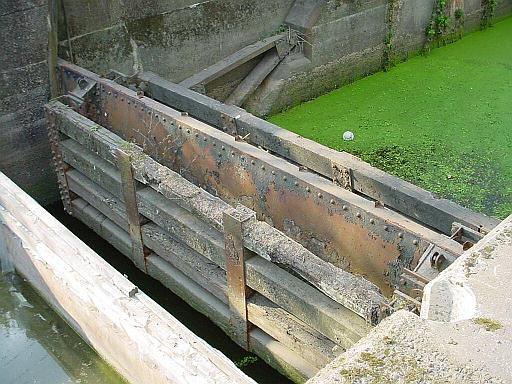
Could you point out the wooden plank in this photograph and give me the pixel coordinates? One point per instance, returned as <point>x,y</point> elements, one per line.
<point>398,194</point>
<point>231,62</point>
<point>134,335</point>
<point>306,303</point>
<point>206,273</point>
<point>337,284</point>
<point>315,309</point>
<point>295,334</point>
<point>278,323</point>
<point>265,346</point>
<point>253,80</point>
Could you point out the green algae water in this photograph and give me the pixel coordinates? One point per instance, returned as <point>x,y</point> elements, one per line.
<point>441,121</point>
<point>38,347</point>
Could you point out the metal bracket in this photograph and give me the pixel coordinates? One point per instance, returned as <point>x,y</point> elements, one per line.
<point>60,167</point>
<point>236,255</point>
<point>465,235</point>
<point>342,176</point>
<point>129,189</point>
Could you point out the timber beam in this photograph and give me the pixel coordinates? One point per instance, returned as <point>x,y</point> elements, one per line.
<point>207,75</point>
<point>281,325</point>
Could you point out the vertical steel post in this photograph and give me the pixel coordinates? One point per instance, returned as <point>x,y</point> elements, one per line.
<point>236,254</point>
<point>129,190</point>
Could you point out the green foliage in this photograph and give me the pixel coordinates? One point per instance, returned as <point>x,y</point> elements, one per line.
<point>388,56</point>
<point>488,10</point>
<point>246,361</point>
<point>443,28</point>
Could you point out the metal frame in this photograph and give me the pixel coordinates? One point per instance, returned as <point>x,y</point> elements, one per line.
<point>236,255</point>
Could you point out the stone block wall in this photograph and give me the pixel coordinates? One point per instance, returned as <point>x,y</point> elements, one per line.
<point>172,38</point>
<point>24,88</point>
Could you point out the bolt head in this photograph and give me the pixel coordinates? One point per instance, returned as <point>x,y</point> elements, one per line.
<point>400,235</point>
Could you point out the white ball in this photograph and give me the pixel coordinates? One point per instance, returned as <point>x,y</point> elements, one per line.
<point>348,136</point>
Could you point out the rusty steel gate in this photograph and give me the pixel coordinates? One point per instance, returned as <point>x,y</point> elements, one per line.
<point>293,249</point>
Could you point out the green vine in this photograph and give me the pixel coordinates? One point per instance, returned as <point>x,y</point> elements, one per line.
<point>488,10</point>
<point>388,59</point>
<point>443,27</point>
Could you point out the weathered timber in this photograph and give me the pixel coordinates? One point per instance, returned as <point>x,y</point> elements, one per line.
<point>296,335</point>
<point>336,283</point>
<point>398,194</point>
<point>375,242</point>
<point>311,306</point>
<point>231,62</point>
<point>253,80</point>
<point>265,346</point>
<point>304,302</point>
<point>135,335</point>
<point>198,268</point>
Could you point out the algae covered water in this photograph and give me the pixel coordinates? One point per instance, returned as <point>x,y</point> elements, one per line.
<point>441,121</point>
<point>38,347</point>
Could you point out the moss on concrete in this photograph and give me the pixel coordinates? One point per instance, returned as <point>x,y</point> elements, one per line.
<point>489,324</point>
<point>442,121</point>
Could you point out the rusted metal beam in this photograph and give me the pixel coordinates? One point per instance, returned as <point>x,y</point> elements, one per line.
<point>311,306</point>
<point>236,255</point>
<point>398,194</point>
<point>129,189</point>
<point>343,228</point>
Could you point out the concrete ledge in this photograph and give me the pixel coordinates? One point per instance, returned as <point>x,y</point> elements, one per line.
<point>464,334</point>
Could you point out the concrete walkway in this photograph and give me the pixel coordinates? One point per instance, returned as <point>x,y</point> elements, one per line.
<point>464,334</point>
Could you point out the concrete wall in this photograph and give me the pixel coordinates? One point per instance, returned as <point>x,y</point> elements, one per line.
<point>172,38</point>
<point>348,43</point>
<point>464,334</point>
<point>24,151</point>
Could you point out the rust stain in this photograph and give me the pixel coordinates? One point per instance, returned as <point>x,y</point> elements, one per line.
<point>366,255</point>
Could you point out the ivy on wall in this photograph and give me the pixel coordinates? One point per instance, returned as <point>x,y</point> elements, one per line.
<point>488,10</point>
<point>444,26</point>
<point>388,59</point>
